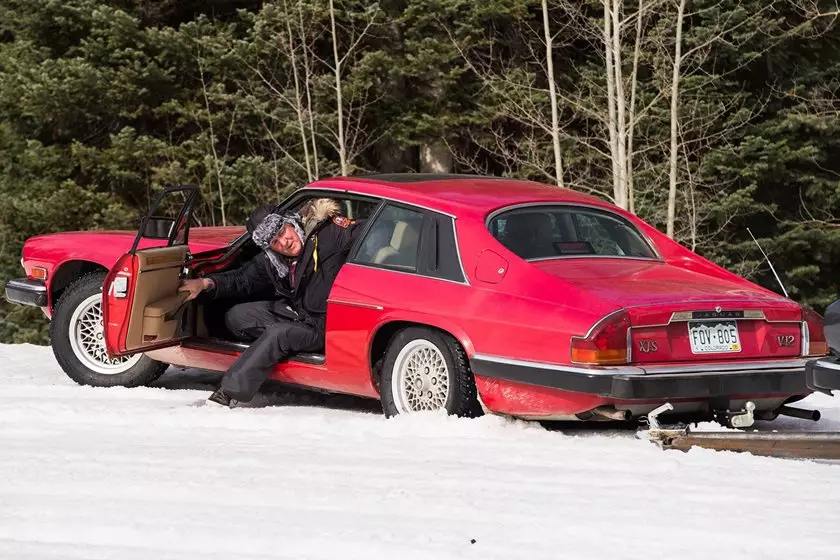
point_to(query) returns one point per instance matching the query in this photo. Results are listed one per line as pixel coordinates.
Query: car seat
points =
(530, 235)
(402, 249)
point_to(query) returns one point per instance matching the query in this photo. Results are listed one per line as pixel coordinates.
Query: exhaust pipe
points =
(611, 413)
(799, 413)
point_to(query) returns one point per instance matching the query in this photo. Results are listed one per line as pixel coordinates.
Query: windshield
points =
(545, 232)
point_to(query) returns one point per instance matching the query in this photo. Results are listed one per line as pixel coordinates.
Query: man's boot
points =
(220, 399)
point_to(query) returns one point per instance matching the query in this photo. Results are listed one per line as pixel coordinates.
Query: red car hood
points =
(201, 238)
(632, 283)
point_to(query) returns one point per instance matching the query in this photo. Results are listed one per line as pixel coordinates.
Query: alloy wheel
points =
(87, 339)
(420, 379)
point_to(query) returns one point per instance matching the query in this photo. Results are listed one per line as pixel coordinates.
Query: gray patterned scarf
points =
(265, 232)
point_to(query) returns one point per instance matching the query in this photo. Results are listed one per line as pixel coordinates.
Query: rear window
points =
(546, 232)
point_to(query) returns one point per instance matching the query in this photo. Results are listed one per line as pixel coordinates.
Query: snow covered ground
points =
(141, 474)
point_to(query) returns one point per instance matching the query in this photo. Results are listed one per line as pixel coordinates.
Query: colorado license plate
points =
(710, 338)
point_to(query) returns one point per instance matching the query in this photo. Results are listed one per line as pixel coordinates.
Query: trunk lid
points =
(679, 315)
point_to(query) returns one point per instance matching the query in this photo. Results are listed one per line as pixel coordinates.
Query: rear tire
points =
(425, 369)
(79, 346)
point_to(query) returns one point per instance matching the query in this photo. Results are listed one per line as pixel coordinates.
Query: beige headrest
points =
(404, 237)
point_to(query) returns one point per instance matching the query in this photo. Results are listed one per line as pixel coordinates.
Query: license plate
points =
(711, 338)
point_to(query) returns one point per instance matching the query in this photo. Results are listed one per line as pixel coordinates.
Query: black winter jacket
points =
(313, 279)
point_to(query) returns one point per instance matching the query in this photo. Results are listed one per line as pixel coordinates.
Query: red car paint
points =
(511, 308)
(103, 248)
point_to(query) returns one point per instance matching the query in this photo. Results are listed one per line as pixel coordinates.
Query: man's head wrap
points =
(264, 224)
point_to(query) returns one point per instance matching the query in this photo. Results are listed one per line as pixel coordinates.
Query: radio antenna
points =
(772, 268)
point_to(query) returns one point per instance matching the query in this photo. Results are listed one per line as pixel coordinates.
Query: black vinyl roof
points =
(419, 177)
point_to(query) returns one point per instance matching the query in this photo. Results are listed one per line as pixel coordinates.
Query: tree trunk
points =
(307, 69)
(342, 147)
(212, 142)
(435, 157)
(608, 58)
(631, 117)
(552, 92)
(621, 104)
(675, 97)
(298, 98)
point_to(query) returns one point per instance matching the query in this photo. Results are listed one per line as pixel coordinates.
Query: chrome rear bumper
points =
(655, 383)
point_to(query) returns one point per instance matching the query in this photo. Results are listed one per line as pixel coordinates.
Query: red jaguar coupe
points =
(463, 293)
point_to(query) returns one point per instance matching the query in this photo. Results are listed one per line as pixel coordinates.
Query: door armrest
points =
(167, 307)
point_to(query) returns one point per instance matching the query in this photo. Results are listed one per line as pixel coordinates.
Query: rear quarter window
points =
(543, 232)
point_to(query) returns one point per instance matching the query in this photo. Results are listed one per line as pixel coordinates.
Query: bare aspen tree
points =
(529, 98)
(298, 101)
(673, 154)
(621, 112)
(552, 94)
(279, 59)
(307, 83)
(349, 143)
(217, 164)
(631, 117)
(339, 104)
(687, 127)
(620, 104)
(609, 60)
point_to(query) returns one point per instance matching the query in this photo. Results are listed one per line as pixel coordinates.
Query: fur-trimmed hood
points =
(317, 211)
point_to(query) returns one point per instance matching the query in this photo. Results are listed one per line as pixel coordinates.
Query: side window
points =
(169, 218)
(358, 209)
(353, 208)
(392, 240)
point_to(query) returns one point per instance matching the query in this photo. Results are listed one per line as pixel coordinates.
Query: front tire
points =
(78, 341)
(425, 369)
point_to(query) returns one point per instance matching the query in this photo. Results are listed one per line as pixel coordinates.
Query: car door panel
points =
(142, 308)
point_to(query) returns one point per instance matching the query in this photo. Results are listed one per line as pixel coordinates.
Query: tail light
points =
(605, 343)
(813, 334)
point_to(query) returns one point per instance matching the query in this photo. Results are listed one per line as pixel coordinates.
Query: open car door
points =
(141, 305)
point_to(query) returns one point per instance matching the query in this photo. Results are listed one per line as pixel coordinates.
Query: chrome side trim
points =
(415, 274)
(617, 370)
(458, 252)
(649, 370)
(355, 304)
(828, 365)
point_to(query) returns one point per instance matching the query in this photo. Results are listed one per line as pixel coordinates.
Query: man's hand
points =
(195, 286)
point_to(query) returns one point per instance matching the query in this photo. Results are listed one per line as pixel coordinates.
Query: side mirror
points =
(156, 227)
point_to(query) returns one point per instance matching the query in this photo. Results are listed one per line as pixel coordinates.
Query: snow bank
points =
(142, 474)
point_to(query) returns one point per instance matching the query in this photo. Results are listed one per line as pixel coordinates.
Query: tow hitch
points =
(738, 419)
(792, 445)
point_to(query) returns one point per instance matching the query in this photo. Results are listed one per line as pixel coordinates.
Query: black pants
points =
(276, 333)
